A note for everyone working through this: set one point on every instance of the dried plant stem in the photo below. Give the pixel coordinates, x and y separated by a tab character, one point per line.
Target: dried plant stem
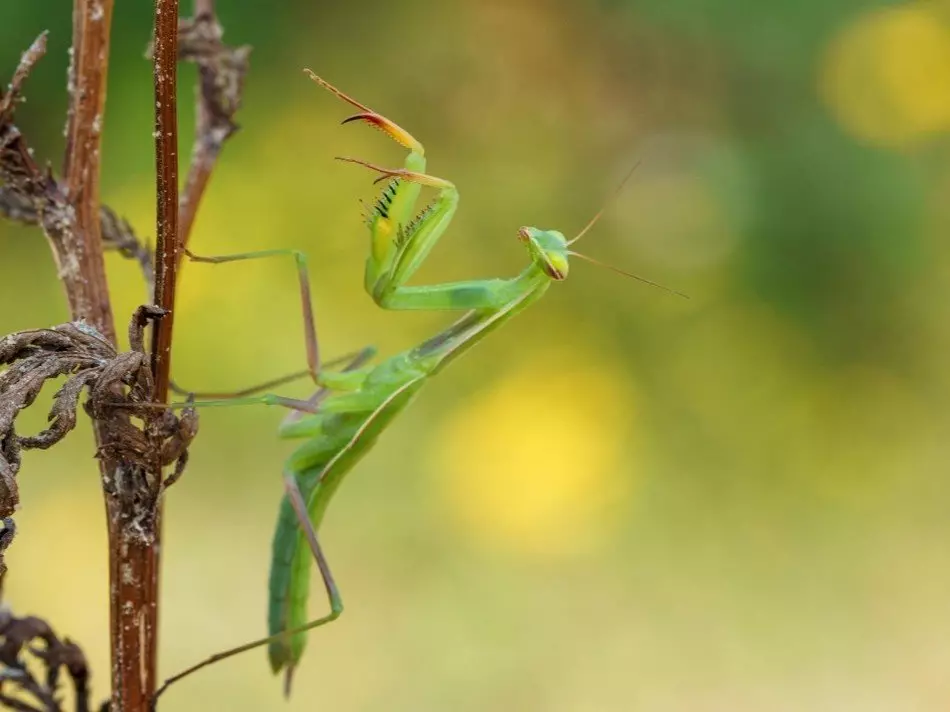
69	213
131	561
79	251
166	268
166	165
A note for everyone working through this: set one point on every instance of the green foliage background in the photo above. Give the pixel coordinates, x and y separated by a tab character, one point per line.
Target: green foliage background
626	501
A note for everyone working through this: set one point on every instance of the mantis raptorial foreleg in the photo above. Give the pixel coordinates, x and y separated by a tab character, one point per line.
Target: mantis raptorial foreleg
401	238
414	242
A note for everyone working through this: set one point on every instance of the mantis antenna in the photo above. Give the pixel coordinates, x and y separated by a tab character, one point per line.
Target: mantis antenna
626	274
610	199
593	221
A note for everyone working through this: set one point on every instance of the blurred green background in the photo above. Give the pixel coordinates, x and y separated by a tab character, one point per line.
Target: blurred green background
627	500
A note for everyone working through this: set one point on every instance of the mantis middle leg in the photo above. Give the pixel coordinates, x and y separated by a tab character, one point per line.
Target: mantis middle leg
310	330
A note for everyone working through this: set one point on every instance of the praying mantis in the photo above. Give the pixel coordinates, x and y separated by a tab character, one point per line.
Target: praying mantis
356	403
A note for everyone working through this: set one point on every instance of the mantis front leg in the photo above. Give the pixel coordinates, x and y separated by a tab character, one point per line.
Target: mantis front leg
414	241
401	238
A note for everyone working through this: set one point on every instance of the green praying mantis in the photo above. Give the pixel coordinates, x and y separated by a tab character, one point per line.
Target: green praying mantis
356	403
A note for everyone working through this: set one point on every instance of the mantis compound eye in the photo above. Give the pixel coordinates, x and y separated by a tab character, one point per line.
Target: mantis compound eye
555	265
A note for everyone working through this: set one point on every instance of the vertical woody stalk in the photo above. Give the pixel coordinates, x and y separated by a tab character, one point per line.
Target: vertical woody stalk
166	167
78	251
167	253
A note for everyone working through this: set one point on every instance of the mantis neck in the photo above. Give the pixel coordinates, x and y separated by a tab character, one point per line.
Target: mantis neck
447	345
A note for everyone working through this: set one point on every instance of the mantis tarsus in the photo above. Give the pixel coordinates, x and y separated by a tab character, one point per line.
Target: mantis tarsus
354	405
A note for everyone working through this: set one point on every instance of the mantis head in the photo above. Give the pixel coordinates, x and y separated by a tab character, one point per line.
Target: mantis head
548	250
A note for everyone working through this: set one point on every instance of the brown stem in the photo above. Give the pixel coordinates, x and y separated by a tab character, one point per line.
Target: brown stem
166	165
79	252
166	268
131	561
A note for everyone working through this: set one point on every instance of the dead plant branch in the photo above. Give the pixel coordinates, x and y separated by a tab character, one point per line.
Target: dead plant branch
120	388
79	251
221	72
117	232
165	57
20	687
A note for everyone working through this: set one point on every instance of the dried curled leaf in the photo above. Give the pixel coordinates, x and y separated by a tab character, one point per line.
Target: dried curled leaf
20	687
144	437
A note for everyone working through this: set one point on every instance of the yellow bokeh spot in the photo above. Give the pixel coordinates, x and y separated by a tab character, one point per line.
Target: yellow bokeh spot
886	77
539	461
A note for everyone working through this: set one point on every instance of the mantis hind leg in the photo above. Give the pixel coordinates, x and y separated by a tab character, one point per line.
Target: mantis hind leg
298	405
295	497
281	642
326	378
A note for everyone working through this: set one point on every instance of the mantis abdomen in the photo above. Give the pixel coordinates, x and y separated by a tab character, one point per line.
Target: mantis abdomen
337	442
